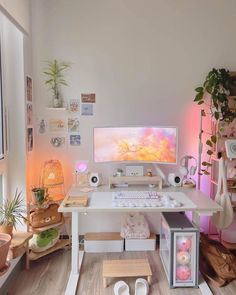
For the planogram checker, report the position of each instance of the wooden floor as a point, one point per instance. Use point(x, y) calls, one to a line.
point(48, 276)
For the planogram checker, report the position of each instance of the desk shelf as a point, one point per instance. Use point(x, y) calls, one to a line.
point(135, 180)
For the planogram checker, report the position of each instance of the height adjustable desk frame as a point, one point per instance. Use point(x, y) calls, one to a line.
point(203, 207)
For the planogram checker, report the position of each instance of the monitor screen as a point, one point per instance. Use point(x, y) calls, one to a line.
point(135, 144)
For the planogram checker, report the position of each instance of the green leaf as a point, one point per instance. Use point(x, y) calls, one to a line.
point(199, 89)
point(209, 152)
point(209, 89)
point(199, 96)
point(206, 172)
point(214, 138)
point(203, 113)
point(204, 163)
point(217, 115)
point(200, 102)
point(208, 142)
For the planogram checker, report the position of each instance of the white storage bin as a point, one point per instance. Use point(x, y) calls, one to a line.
point(141, 244)
point(228, 235)
point(103, 242)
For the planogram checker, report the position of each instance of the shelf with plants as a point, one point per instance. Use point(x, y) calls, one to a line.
point(62, 243)
point(217, 98)
point(48, 235)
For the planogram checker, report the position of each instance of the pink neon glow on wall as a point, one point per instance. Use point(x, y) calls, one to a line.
point(147, 144)
point(191, 119)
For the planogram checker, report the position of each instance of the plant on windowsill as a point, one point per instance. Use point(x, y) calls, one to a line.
point(11, 213)
point(55, 79)
point(214, 95)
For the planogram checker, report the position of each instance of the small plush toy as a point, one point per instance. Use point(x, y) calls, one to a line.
point(183, 273)
point(184, 243)
point(183, 257)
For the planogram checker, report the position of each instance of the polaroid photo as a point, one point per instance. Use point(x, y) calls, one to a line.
point(56, 125)
point(88, 97)
point(87, 109)
point(30, 139)
point(41, 126)
point(28, 88)
point(74, 105)
point(29, 113)
point(57, 141)
point(75, 140)
point(73, 125)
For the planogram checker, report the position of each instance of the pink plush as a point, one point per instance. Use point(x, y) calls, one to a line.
point(183, 273)
point(184, 243)
point(183, 257)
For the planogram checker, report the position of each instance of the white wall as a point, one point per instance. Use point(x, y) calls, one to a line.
point(18, 11)
point(143, 60)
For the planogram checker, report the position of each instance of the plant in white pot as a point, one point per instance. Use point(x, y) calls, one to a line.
point(55, 79)
point(12, 212)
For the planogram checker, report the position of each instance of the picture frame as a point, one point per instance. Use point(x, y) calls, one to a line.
point(29, 89)
point(75, 139)
point(73, 125)
point(30, 139)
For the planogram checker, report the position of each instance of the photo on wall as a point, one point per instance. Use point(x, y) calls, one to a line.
point(73, 124)
point(87, 109)
point(41, 126)
point(29, 88)
point(74, 105)
point(88, 97)
point(57, 141)
point(75, 139)
point(56, 125)
point(30, 139)
point(29, 112)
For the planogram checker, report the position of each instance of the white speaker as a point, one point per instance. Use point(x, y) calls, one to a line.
point(95, 179)
point(230, 146)
point(175, 179)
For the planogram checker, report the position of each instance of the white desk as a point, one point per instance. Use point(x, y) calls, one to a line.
point(202, 205)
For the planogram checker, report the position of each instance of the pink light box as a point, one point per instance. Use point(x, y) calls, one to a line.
point(135, 144)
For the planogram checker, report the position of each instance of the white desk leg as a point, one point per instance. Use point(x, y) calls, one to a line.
point(203, 286)
point(76, 258)
point(196, 219)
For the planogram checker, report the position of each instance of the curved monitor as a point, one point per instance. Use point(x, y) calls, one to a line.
point(135, 144)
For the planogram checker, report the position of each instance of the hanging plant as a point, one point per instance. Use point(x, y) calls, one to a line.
point(218, 85)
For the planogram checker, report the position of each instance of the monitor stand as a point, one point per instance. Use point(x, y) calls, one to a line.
point(160, 173)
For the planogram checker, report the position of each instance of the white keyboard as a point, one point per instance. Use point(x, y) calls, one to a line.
point(143, 199)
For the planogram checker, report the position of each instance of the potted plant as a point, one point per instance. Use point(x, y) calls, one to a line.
point(55, 79)
point(119, 172)
point(214, 95)
point(11, 212)
point(40, 195)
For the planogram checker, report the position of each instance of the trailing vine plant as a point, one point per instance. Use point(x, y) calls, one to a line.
point(218, 85)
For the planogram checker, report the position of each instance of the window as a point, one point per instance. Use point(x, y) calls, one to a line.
point(1, 113)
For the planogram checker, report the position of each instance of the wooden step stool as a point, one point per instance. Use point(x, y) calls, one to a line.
point(126, 268)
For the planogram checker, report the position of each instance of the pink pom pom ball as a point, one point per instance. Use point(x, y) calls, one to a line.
point(184, 243)
point(183, 257)
point(183, 273)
